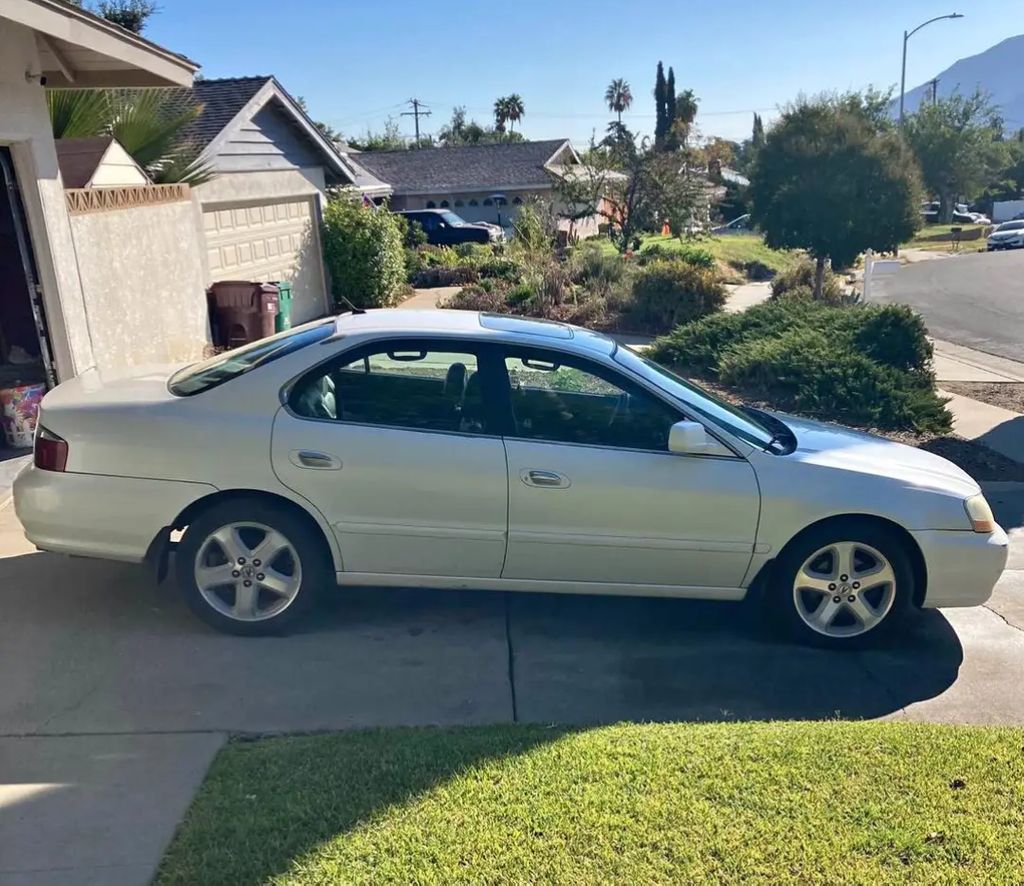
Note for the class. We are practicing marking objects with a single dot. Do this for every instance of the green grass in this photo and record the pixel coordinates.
(772, 803)
(938, 238)
(735, 250)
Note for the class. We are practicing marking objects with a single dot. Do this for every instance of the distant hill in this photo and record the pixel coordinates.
(999, 71)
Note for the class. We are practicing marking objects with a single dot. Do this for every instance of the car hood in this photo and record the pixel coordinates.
(844, 449)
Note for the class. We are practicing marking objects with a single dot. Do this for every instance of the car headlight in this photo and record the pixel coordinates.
(980, 514)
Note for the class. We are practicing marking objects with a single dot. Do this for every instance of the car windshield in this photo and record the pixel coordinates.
(731, 418)
(1011, 226)
(453, 219)
(208, 374)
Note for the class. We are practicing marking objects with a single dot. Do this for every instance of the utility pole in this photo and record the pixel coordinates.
(935, 91)
(416, 113)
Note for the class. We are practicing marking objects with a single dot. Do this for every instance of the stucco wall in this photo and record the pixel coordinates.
(143, 278)
(25, 127)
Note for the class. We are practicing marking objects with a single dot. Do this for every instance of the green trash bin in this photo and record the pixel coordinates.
(283, 320)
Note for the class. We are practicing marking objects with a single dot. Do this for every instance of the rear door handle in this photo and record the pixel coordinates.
(545, 479)
(315, 461)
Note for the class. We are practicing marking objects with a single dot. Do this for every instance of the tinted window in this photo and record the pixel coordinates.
(202, 376)
(398, 386)
(565, 400)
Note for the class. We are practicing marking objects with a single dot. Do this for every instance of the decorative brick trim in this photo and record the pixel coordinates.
(82, 200)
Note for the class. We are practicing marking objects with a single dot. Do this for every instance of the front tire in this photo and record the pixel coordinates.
(251, 568)
(844, 585)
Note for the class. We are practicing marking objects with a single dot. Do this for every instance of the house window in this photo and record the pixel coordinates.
(459, 204)
(488, 202)
(431, 204)
(444, 204)
(518, 201)
(473, 203)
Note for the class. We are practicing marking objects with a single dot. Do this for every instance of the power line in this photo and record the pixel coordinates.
(416, 113)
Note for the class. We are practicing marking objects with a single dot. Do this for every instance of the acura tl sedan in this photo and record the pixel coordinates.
(448, 449)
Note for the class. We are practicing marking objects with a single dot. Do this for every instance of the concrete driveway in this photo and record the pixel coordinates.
(113, 694)
(973, 299)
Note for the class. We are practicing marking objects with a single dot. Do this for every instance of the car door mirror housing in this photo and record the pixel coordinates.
(687, 438)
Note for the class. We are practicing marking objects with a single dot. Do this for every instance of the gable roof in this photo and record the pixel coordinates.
(229, 102)
(466, 167)
(79, 158)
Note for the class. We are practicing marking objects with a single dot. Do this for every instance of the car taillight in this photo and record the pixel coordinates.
(51, 451)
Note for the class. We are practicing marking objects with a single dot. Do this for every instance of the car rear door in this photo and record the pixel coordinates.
(394, 444)
(594, 494)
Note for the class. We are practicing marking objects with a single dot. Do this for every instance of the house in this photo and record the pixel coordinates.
(45, 316)
(260, 211)
(480, 183)
(98, 162)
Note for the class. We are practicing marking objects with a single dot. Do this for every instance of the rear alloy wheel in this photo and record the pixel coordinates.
(843, 589)
(246, 567)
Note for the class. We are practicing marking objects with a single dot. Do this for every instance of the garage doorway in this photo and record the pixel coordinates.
(25, 353)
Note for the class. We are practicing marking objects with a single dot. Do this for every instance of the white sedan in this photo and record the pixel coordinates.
(450, 449)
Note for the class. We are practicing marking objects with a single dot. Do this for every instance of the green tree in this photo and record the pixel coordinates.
(757, 135)
(387, 139)
(150, 124)
(827, 181)
(670, 96)
(662, 122)
(129, 14)
(618, 97)
(363, 251)
(957, 143)
(515, 110)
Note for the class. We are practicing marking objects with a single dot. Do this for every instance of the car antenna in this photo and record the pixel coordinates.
(351, 306)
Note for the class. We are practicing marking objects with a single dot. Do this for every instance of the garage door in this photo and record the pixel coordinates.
(270, 241)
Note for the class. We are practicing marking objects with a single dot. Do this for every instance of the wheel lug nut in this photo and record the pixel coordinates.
(247, 583)
(843, 577)
(255, 562)
(856, 585)
(241, 561)
(831, 587)
(235, 573)
(851, 598)
(260, 577)
(837, 599)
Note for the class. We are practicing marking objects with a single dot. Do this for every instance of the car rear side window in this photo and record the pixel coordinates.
(398, 385)
(201, 377)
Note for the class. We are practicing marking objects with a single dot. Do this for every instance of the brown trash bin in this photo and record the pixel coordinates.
(241, 311)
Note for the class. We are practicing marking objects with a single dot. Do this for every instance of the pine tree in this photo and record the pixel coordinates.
(757, 136)
(670, 97)
(661, 121)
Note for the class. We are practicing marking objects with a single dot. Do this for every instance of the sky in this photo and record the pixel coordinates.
(356, 64)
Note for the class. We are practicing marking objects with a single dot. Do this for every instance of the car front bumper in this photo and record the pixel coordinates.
(962, 567)
(1012, 244)
(89, 515)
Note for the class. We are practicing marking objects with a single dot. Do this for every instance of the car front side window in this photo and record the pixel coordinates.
(563, 399)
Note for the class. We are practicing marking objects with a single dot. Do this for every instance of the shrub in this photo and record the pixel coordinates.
(669, 292)
(896, 336)
(363, 252)
(800, 280)
(501, 268)
(442, 275)
(800, 371)
(687, 252)
(592, 267)
(758, 271)
(475, 298)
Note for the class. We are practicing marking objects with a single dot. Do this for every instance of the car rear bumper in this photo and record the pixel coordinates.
(91, 515)
(963, 567)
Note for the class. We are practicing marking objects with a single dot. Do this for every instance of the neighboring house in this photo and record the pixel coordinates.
(49, 307)
(481, 183)
(98, 162)
(272, 170)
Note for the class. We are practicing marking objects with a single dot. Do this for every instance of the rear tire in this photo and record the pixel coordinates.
(251, 568)
(845, 585)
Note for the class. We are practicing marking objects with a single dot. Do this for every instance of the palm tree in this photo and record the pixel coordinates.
(150, 124)
(686, 106)
(500, 113)
(515, 109)
(618, 96)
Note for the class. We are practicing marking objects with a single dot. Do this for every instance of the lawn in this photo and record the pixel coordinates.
(938, 237)
(735, 250)
(826, 802)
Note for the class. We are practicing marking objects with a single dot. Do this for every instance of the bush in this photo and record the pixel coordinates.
(666, 293)
(687, 252)
(590, 266)
(475, 298)
(896, 336)
(363, 252)
(799, 282)
(501, 268)
(758, 270)
(800, 371)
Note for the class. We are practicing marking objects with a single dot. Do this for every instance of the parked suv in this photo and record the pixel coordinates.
(444, 228)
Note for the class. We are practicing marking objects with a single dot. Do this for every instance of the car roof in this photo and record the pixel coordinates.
(475, 324)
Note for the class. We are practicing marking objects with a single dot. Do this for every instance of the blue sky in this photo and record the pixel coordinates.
(355, 63)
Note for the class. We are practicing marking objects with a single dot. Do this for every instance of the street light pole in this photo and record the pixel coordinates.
(906, 36)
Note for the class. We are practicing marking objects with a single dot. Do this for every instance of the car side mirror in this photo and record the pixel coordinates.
(687, 437)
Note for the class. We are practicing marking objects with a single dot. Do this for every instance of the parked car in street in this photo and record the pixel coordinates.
(1008, 235)
(450, 449)
(444, 228)
(740, 225)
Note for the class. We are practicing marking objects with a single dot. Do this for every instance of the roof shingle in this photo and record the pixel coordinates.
(221, 100)
(463, 168)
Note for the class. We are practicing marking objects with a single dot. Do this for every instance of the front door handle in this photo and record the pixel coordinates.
(312, 460)
(545, 479)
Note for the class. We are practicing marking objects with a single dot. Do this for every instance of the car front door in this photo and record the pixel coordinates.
(594, 494)
(392, 442)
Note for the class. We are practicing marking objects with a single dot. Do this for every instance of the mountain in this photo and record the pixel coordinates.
(999, 71)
